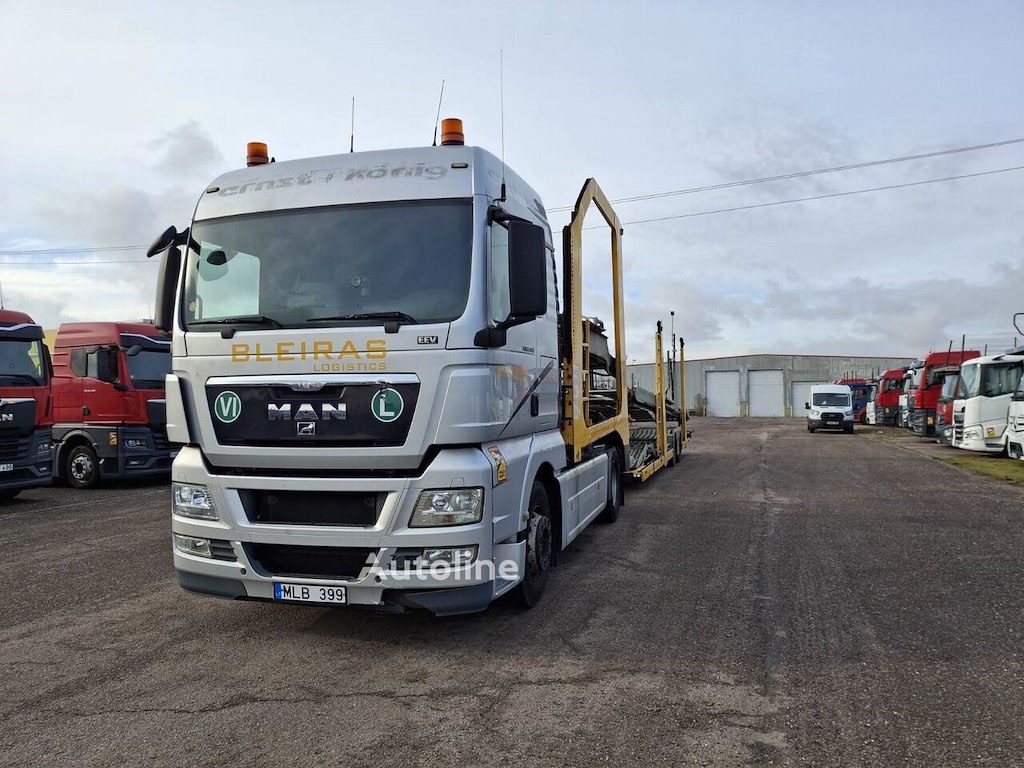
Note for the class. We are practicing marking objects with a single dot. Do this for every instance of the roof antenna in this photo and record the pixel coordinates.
(438, 118)
(501, 91)
(1, 295)
(352, 135)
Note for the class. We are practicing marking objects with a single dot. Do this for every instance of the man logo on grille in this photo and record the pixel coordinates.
(387, 405)
(227, 407)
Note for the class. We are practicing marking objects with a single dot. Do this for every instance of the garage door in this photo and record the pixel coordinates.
(766, 393)
(723, 388)
(801, 395)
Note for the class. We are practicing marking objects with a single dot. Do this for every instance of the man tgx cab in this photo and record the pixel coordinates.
(831, 407)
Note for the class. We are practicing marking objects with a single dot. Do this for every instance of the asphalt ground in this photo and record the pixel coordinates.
(777, 598)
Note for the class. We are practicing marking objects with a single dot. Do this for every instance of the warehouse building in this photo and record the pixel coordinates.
(759, 385)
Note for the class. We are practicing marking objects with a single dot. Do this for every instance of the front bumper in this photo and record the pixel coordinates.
(922, 422)
(975, 438)
(140, 452)
(31, 461)
(378, 554)
(821, 423)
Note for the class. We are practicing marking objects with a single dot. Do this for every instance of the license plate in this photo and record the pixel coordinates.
(294, 592)
(6, 467)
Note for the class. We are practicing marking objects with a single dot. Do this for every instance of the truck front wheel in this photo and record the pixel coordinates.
(81, 469)
(538, 548)
(610, 513)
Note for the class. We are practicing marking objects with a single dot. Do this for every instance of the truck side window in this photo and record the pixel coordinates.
(78, 362)
(102, 365)
(497, 275)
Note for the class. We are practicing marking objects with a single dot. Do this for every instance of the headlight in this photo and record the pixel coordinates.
(459, 506)
(456, 556)
(193, 501)
(136, 442)
(43, 449)
(190, 545)
(848, 412)
(815, 414)
(971, 434)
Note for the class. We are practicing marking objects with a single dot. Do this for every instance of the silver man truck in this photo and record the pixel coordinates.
(384, 384)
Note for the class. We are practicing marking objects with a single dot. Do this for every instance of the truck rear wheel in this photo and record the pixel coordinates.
(81, 469)
(538, 548)
(610, 513)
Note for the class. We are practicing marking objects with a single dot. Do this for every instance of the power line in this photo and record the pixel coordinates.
(800, 174)
(822, 197)
(76, 263)
(625, 223)
(105, 249)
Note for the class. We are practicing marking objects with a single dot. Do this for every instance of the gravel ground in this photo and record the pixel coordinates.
(778, 598)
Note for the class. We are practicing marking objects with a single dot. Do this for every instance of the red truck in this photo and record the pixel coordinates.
(887, 397)
(26, 453)
(928, 381)
(109, 411)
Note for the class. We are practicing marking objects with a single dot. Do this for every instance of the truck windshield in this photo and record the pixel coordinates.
(949, 385)
(148, 368)
(357, 263)
(990, 380)
(22, 364)
(831, 399)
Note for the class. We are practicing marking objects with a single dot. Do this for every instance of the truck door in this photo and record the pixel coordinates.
(102, 387)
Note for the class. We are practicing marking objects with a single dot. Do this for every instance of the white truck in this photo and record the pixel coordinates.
(382, 386)
(987, 385)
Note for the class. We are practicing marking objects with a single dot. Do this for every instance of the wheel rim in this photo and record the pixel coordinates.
(82, 467)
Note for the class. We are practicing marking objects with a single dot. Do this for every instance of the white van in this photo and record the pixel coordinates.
(831, 407)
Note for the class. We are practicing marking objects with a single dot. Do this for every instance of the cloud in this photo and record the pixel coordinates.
(186, 151)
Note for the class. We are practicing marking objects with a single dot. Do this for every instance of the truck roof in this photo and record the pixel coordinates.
(420, 173)
(954, 357)
(9, 317)
(87, 334)
(893, 373)
(990, 359)
(842, 389)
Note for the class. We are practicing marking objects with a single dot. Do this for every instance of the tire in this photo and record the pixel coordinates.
(610, 513)
(811, 430)
(848, 430)
(81, 468)
(6, 496)
(538, 548)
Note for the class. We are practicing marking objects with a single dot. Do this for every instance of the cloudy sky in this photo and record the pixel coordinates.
(115, 115)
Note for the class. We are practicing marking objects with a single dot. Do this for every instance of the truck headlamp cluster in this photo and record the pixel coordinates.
(815, 414)
(458, 506)
(136, 442)
(193, 501)
(44, 448)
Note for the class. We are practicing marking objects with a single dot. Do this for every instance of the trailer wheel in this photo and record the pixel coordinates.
(538, 548)
(81, 469)
(610, 513)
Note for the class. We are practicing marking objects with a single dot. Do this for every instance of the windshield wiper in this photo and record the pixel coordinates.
(240, 320)
(402, 316)
(228, 333)
(23, 377)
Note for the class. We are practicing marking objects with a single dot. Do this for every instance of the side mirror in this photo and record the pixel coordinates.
(807, 406)
(527, 266)
(133, 350)
(166, 239)
(166, 289)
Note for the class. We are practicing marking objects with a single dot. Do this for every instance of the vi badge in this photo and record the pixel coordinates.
(227, 407)
(387, 405)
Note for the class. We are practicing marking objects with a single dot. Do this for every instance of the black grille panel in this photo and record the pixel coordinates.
(312, 507)
(14, 448)
(222, 550)
(310, 562)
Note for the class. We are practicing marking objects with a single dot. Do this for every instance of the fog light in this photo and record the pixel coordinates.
(454, 556)
(190, 545)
